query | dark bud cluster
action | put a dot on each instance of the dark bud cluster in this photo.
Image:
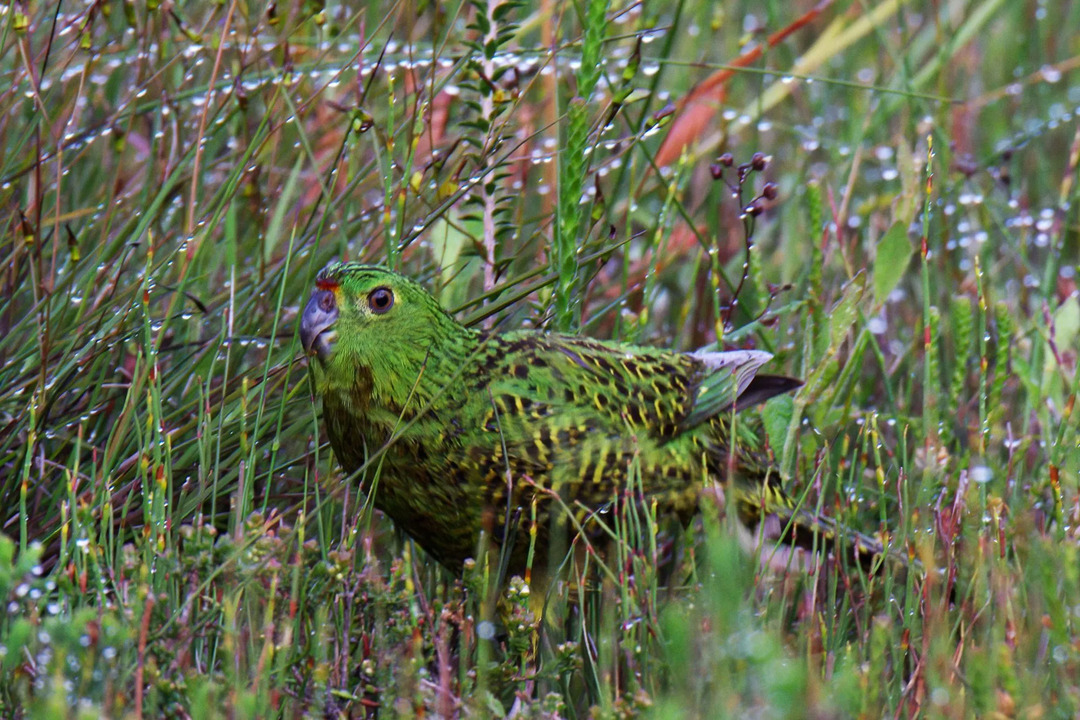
(717, 168)
(758, 162)
(755, 208)
(770, 191)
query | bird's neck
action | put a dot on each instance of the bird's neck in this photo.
(430, 373)
(402, 380)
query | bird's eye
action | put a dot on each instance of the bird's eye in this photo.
(380, 300)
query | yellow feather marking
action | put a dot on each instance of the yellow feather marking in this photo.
(583, 462)
(598, 473)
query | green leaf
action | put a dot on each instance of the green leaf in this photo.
(17, 637)
(7, 553)
(846, 311)
(1066, 326)
(457, 269)
(893, 255)
(841, 319)
(275, 230)
(447, 241)
(777, 415)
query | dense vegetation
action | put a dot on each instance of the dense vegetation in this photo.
(882, 194)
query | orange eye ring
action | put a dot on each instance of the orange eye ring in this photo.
(380, 300)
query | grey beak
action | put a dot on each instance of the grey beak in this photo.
(319, 316)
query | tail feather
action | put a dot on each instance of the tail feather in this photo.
(763, 387)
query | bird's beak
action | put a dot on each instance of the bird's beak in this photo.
(319, 316)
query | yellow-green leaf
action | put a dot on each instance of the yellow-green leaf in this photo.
(893, 255)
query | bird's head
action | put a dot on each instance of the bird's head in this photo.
(363, 316)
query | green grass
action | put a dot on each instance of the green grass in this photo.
(175, 536)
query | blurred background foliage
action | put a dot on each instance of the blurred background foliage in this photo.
(883, 194)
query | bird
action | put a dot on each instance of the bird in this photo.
(524, 437)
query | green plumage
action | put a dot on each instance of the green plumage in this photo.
(453, 422)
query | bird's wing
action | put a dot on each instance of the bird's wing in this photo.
(613, 387)
(729, 380)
